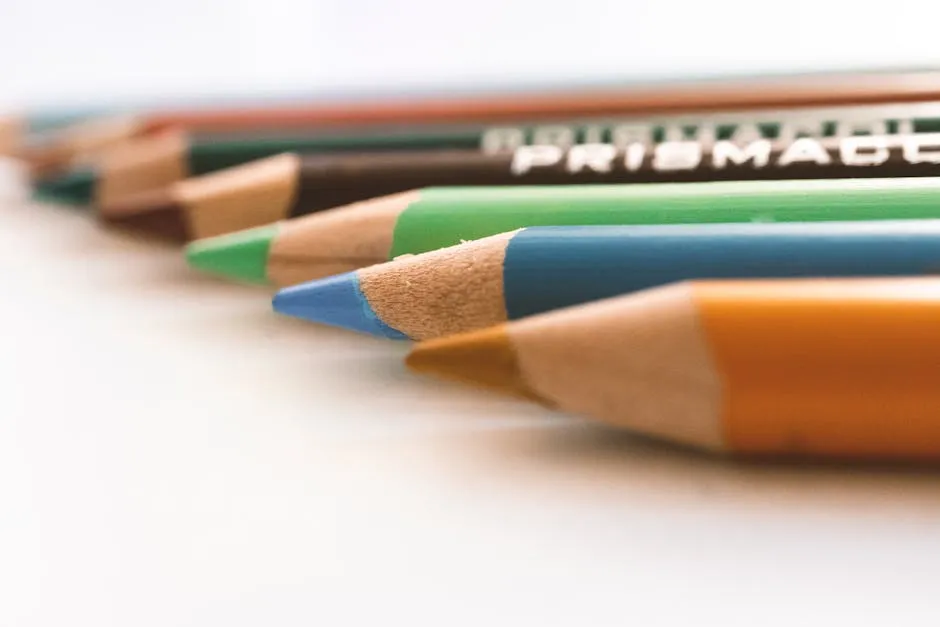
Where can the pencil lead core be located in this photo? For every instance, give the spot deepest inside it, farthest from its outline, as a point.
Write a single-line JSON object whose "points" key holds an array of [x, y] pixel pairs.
{"points": [[336, 301]]}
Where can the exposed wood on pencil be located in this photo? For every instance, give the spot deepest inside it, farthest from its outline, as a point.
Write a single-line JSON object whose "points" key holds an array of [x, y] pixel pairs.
{"points": [[229, 200], [291, 257], [12, 134], [645, 365], [77, 144], [442, 292], [143, 165]]}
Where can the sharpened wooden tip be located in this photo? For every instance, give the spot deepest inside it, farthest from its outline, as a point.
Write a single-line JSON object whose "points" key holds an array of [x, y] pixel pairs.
{"points": [[242, 197], [79, 144], [143, 164], [12, 132], [339, 240], [485, 358]]}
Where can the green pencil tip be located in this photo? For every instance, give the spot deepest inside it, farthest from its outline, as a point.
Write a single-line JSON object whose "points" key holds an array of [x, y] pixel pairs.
{"points": [[242, 255], [76, 187]]}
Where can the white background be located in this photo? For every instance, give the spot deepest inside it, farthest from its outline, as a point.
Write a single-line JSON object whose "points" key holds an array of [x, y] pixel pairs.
{"points": [[57, 51], [171, 453]]}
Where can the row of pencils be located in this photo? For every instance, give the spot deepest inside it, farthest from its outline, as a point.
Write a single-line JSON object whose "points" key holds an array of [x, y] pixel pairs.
{"points": [[744, 267]]}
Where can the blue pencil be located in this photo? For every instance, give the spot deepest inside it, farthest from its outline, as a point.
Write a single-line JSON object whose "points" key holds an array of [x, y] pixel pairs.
{"points": [[529, 271]]}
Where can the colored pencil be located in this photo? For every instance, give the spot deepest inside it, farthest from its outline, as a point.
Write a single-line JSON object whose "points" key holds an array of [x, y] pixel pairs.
{"points": [[743, 93], [805, 367], [513, 275], [241, 197], [18, 131], [897, 139], [375, 231]]}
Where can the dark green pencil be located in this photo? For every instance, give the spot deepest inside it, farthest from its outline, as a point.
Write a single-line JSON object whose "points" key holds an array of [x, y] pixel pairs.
{"points": [[155, 162], [673, 146]]}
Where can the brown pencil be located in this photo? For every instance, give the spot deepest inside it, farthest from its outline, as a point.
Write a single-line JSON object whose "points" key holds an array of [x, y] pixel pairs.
{"points": [[292, 185]]}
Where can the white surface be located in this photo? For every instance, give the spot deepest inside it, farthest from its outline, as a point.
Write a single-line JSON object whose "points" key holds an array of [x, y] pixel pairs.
{"points": [[171, 453], [64, 52]]}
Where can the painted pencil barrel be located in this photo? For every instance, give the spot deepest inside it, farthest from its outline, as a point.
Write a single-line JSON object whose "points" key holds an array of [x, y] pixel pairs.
{"points": [[446, 216], [208, 153], [549, 268], [826, 368], [342, 179]]}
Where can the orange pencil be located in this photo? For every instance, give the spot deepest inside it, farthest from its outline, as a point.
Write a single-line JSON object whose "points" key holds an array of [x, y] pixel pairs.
{"points": [[820, 368]]}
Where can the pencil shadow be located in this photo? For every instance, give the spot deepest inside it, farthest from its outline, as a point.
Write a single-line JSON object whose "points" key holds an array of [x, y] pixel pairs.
{"points": [[491, 429], [610, 459]]}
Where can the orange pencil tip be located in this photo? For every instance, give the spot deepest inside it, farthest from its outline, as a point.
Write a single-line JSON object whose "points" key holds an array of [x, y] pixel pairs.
{"points": [[485, 358]]}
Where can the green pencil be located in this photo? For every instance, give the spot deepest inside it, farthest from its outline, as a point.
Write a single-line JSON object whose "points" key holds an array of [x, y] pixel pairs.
{"points": [[362, 234]]}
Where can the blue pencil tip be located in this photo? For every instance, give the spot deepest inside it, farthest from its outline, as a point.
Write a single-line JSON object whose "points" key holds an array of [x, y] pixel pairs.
{"points": [[336, 301]]}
